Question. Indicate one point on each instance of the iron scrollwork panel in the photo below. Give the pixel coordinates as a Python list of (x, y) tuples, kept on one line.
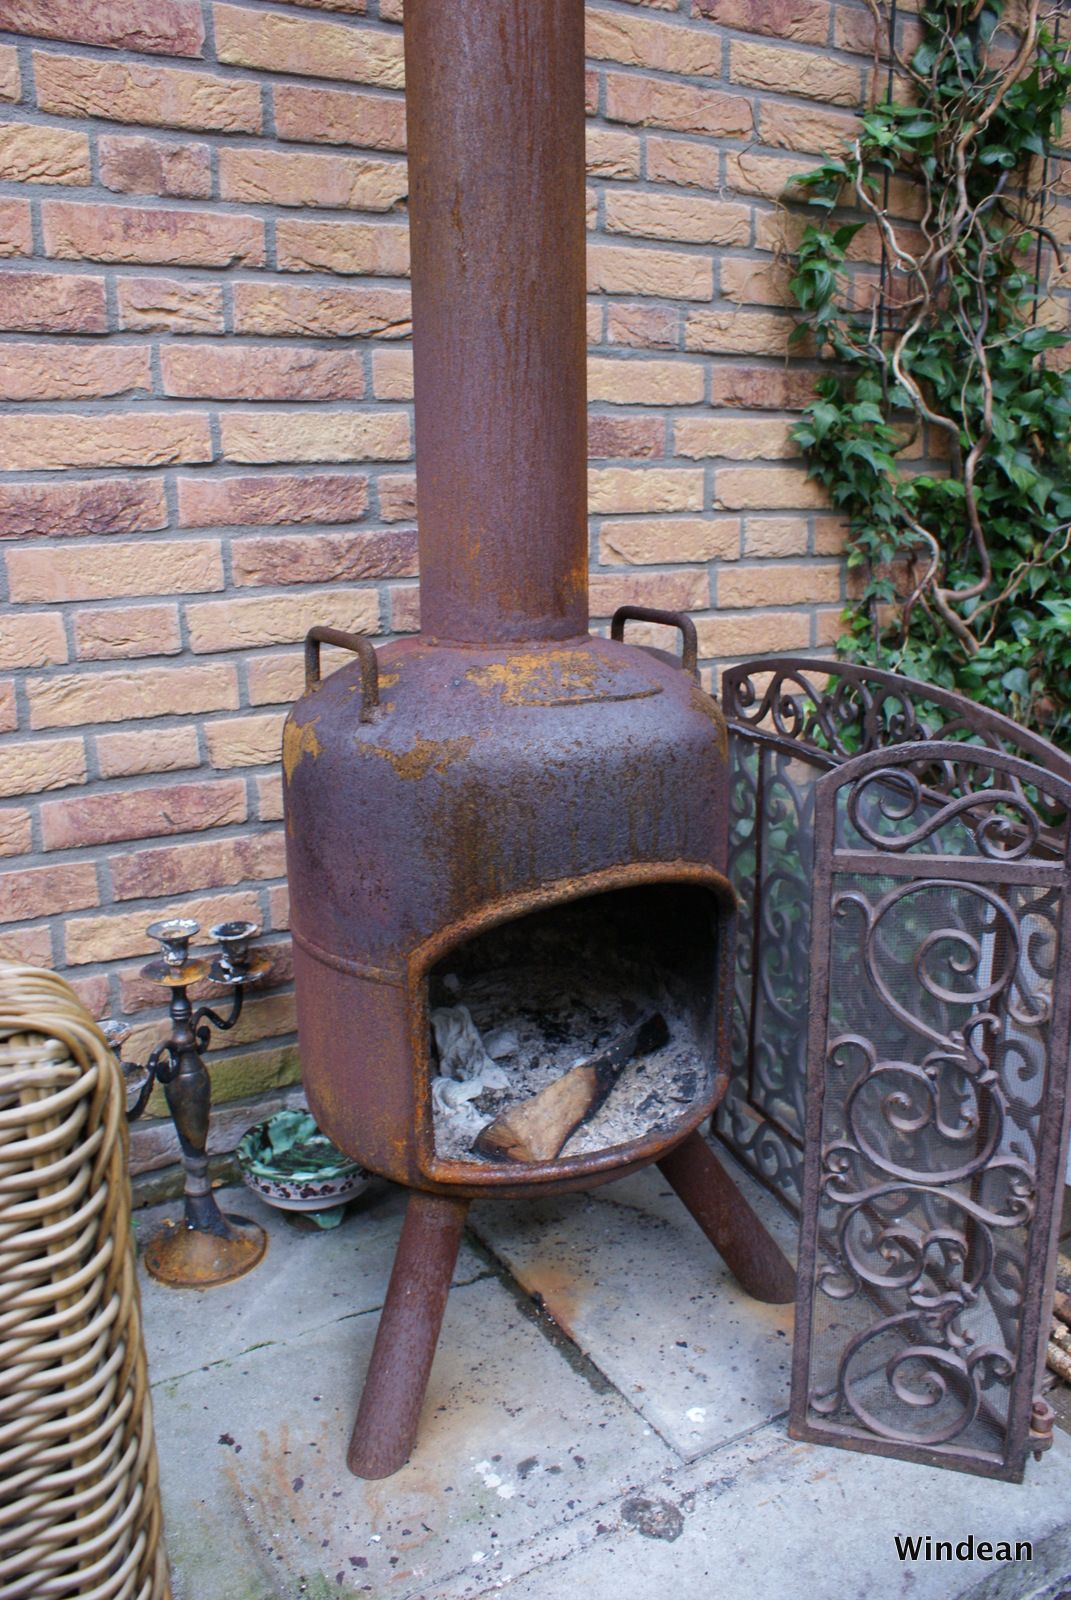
[(790, 721), (936, 1109)]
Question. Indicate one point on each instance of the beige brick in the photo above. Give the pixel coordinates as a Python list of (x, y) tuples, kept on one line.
[(351, 248), (829, 624), (335, 50), (245, 741), (35, 765), (155, 166), (163, 305), (44, 891), (668, 273), (277, 680), (16, 833), (324, 557), (52, 302), (71, 371), (732, 332), (69, 700), (611, 154), (141, 751), (278, 619), (804, 20), (397, 496), (136, 92), (755, 388), (30, 153), (167, 27), (341, 311), (52, 441), (10, 77), (339, 116), (33, 946), (759, 633), (683, 590), (187, 868), (813, 129), (404, 608), (690, 218), (654, 102), (114, 633), (34, 639), (261, 372), (208, 238), (643, 326), (749, 282), (270, 498), (355, 7), (796, 72), (288, 178), (683, 161), (775, 536), (650, 541), (734, 438), (156, 811), (9, 714), (666, 47), (636, 381), (106, 571), (623, 489), (75, 508), (831, 535), (270, 798), (269, 436), (118, 936), (766, 489), (770, 177), (392, 374), (745, 586), (16, 228)]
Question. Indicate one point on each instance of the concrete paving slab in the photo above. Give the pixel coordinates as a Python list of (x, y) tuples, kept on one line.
[(514, 1442), (631, 1279), (307, 1279), (767, 1516)]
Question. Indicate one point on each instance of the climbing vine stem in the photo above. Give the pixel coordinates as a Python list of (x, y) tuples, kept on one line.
[(942, 429)]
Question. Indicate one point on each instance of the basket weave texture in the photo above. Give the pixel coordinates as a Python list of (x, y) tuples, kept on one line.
[(79, 1488)]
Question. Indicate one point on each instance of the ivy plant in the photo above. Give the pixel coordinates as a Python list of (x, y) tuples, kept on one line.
[(942, 430)]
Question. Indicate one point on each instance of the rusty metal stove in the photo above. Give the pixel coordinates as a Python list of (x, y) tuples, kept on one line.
[(504, 764)]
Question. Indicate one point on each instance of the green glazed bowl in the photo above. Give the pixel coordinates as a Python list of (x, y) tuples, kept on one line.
[(292, 1165)]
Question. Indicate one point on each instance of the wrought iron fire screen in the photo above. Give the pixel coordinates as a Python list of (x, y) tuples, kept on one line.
[(790, 722), (935, 1132)]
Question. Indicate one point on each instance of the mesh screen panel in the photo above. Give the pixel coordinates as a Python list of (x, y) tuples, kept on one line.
[(938, 1056)]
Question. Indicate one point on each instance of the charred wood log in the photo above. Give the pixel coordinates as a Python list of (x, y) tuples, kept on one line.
[(536, 1129)]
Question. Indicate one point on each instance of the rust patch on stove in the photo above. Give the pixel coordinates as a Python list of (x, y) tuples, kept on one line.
[(299, 740), (425, 755), (557, 678)]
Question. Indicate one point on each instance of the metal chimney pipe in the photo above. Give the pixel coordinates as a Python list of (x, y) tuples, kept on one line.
[(495, 96)]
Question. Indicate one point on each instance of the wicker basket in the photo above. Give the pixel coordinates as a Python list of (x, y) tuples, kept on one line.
[(79, 1490)]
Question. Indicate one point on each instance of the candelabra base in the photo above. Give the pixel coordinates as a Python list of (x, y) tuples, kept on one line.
[(190, 1258)]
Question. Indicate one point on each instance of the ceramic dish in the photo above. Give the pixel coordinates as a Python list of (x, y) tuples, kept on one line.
[(292, 1165)]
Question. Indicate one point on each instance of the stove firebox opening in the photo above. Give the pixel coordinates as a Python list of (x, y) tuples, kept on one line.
[(578, 1028)]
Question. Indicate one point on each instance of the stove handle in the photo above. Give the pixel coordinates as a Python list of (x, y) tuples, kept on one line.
[(362, 649), (670, 619)]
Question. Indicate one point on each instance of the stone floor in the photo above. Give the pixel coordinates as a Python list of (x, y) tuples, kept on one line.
[(606, 1417)]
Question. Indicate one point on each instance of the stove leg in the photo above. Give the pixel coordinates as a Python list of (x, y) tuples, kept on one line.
[(386, 1426), (732, 1227)]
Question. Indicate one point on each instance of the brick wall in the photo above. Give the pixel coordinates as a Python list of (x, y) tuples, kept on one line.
[(206, 426)]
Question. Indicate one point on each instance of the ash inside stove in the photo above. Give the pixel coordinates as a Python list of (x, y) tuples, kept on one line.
[(516, 1009)]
